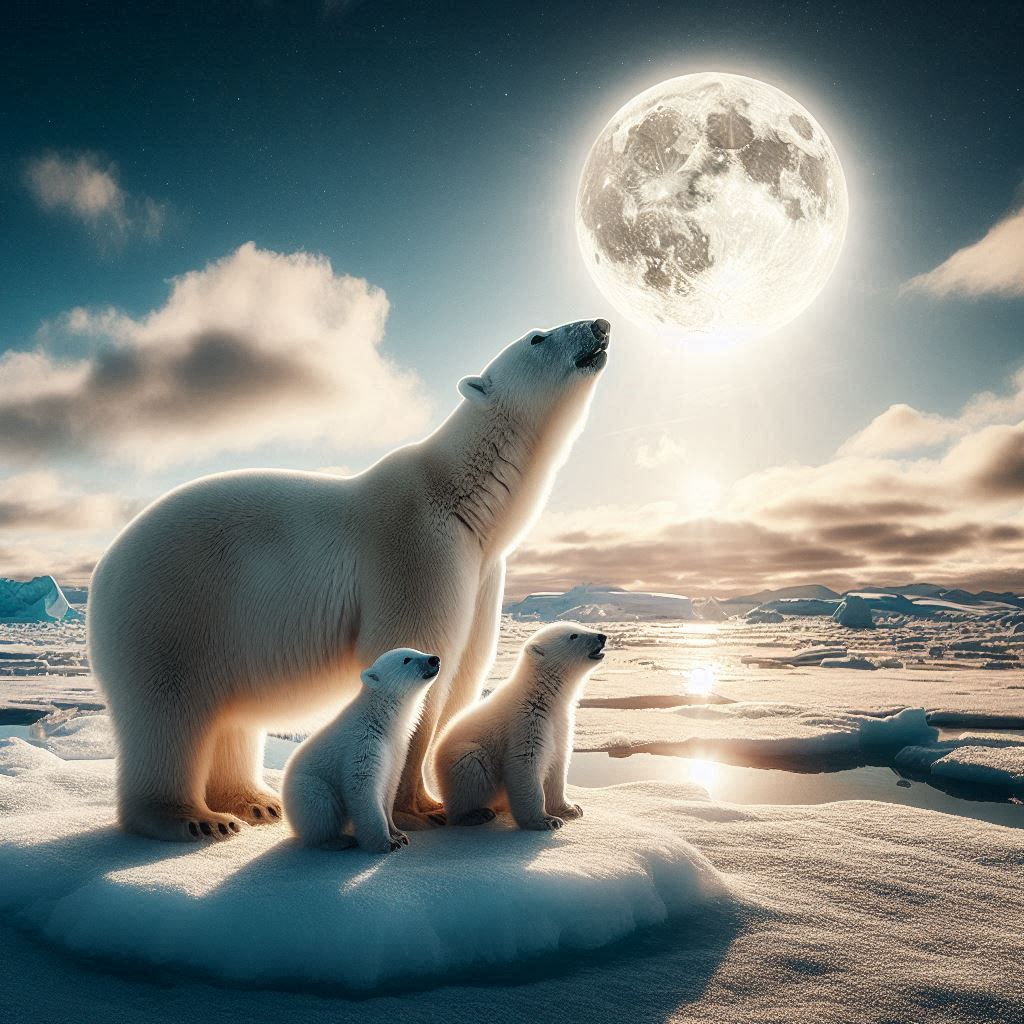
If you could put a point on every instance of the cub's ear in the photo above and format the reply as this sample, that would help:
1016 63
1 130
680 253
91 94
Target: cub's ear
369 678
538 650
476 389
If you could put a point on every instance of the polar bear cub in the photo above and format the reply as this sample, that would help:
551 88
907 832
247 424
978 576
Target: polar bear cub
515 744
339 786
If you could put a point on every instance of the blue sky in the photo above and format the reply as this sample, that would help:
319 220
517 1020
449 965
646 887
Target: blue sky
434 152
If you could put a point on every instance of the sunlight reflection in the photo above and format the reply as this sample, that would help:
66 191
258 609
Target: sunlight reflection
701 680
702 773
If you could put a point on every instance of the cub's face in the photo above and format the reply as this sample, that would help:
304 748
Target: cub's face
401 672
567 646
544 372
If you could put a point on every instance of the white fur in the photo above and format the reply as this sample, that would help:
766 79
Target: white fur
345 776
514 746
248 600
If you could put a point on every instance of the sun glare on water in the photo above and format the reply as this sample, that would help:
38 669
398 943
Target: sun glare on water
701 680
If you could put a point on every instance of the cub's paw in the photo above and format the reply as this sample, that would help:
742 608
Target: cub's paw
549 823
400 837
396 844
570 811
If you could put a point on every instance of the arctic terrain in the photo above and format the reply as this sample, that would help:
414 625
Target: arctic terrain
788 817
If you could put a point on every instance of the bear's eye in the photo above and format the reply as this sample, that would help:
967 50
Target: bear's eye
575 636
536 339
407 660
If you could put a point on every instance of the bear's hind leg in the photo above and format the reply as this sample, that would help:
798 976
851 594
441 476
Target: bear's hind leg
468 788
162 762
235 782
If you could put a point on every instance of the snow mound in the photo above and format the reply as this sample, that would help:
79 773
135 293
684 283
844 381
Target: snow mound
591 602
259 909
750 729
35 600
74 737
982 759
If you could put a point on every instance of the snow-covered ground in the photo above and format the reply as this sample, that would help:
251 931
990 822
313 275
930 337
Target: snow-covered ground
660 904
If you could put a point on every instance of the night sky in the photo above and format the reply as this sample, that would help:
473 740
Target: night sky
434 151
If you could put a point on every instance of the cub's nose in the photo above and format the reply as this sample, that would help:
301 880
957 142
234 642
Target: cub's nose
601 329
433 661
602 639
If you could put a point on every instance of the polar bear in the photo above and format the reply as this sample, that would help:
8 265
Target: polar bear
250 600
514 746
347 772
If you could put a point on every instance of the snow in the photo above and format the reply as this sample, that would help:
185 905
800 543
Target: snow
836 912
979 758
35 600
455 901
755 730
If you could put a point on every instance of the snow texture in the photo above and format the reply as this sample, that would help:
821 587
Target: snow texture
260 909
758 730
979 758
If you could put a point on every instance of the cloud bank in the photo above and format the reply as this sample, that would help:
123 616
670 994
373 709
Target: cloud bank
81 188
257 347
955 516
994 265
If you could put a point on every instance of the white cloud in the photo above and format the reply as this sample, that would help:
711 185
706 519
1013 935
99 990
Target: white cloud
90 193
902 428
992 266
257 347
955 517
663 452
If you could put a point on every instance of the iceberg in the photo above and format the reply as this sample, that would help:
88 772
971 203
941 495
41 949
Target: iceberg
35 600
593 603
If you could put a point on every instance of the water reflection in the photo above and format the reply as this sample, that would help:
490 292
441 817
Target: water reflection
742 784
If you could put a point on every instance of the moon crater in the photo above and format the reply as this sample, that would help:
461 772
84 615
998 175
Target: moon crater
712 203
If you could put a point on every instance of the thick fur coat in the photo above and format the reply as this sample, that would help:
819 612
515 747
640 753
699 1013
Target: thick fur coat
513 748
339 786
249 600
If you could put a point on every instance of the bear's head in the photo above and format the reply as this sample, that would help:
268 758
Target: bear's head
401 672
546 377
566 650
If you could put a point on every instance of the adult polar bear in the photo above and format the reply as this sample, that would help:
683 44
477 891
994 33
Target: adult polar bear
252 599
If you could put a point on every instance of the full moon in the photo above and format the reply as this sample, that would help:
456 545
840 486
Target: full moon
714 205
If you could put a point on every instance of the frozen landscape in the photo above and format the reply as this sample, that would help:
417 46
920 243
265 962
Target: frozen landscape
776 836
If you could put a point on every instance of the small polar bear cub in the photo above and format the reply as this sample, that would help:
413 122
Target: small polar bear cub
347 773
515 744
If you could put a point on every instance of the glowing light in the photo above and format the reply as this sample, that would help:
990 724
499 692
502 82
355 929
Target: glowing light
701 680
702 773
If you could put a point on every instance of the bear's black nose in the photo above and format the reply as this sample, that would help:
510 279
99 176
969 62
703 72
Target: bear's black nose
433 661
602 638
601 329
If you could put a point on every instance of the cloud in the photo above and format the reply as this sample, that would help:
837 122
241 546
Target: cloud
257 347
84 190
992 266
42 501
663 452
955 517
902 428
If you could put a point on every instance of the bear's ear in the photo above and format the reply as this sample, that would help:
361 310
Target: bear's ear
538 650
476 389
369 678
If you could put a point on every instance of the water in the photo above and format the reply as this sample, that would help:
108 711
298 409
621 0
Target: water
741 784
745 784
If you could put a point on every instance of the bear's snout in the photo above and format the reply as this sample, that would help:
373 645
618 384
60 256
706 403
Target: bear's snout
433 667
601 329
